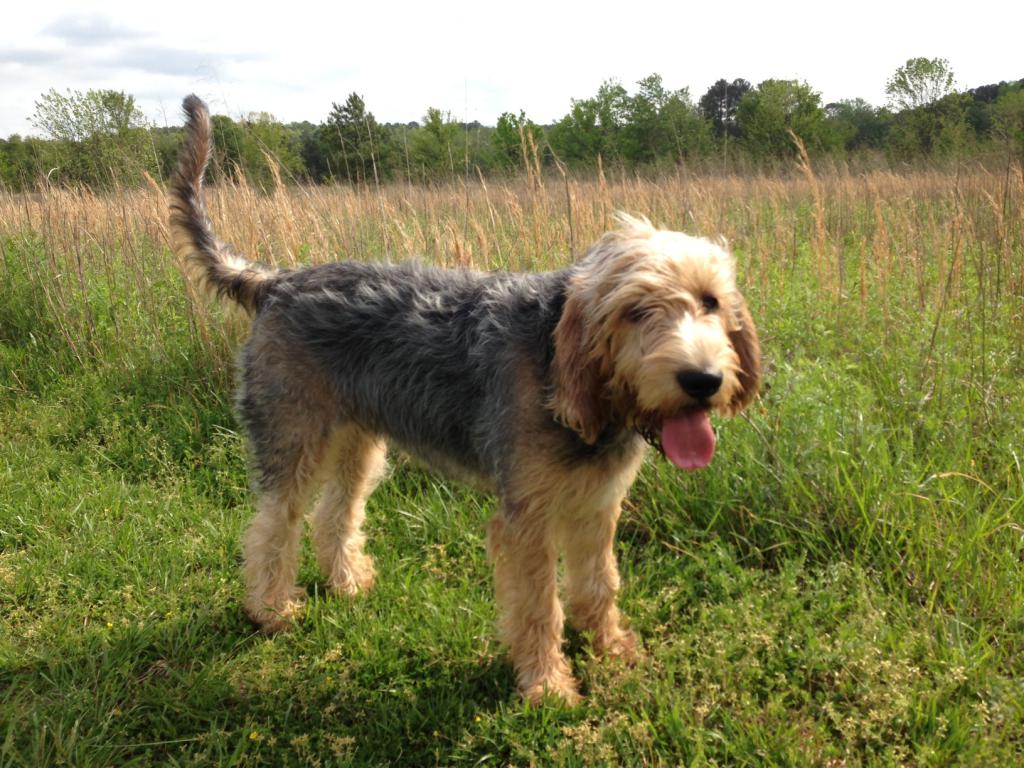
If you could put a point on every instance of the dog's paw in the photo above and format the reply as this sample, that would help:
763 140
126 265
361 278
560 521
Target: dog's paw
561 690
277 615
357 575
620 644
557 683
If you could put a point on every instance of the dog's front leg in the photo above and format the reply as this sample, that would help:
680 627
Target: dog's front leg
592 579
530 617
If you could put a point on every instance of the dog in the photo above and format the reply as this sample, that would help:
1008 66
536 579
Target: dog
542 388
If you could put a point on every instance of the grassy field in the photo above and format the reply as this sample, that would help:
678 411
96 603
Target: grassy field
841 587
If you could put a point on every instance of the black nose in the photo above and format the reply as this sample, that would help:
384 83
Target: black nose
698 384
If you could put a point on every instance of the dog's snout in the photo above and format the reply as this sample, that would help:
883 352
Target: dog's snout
699 385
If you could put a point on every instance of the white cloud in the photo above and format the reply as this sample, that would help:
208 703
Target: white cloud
477 60
87 30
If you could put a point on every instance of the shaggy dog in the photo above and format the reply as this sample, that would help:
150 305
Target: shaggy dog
539 387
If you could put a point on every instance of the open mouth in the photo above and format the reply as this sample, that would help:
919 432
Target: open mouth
687 439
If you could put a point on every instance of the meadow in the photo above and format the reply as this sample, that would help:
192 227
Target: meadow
841 587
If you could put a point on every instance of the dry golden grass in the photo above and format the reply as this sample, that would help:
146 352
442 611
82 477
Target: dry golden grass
526 224
858 234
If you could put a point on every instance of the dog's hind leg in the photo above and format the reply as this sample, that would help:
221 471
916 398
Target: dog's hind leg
352 468
271 543
290 422
271 549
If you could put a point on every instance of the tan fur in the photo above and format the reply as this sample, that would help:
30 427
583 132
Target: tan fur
748 349
553 509
206 259
356 464
548 507
271 543
578 396
635 317
592 579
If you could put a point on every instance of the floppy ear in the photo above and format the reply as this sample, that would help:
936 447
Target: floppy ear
748 348
576 396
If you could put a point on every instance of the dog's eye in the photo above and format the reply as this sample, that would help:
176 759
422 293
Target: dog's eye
709 302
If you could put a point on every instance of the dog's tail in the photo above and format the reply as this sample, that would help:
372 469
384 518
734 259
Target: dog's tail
206 258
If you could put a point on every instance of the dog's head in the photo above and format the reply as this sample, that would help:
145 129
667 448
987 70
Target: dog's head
654 334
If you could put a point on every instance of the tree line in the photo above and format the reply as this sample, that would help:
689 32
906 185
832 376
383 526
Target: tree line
100 138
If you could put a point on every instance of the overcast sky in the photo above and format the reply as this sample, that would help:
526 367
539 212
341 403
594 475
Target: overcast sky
477 60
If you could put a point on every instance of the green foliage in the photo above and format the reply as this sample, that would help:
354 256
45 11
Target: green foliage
577 137
719 105
275 143
22 162
858 125
437 150
766 114
593 126
166 143
641 129
353 145
1008 119
79 117
514 138
645 134
99 137
257 147
918 83
939 128
660 124
687 135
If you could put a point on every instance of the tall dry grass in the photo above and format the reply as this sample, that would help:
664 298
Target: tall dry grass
937 241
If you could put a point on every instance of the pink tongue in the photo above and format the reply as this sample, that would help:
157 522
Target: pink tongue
688 440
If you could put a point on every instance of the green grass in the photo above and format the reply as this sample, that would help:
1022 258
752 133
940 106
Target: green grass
843 586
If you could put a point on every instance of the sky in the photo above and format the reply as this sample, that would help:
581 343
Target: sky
476 60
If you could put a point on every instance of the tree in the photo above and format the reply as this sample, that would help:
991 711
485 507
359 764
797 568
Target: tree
99 136
719 105
857 124
354 144
767 113
1008 120
311 150
918 83
593 126
689 133
659 124
78 116
270 141
21 162
981 111
643 135
433 149
611 107
938 128
230 147
166 142
512 139
578 137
